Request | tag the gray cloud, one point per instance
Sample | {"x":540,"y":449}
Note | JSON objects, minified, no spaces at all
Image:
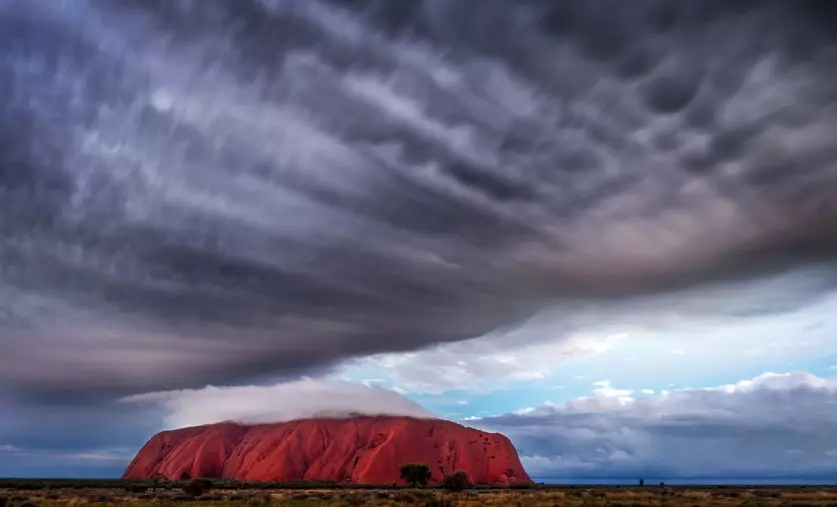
{"x":70,"y":439}
{"x":776,"y":425}
{"x":241,"y":189}
{"x":76,"y":429}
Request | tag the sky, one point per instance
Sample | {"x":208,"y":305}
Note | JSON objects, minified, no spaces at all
{"x":605,"y":229}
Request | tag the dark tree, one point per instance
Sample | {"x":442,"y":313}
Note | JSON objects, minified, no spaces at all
{"x":642,"y":482}
{"x":415,"y":474}
{"x":197,"y":487}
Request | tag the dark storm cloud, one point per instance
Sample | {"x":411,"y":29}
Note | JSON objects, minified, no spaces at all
{"x":195,"y":192}
{"x":771,"y":426}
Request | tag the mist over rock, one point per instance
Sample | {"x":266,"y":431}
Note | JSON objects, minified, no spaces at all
{"x":362,"y":450}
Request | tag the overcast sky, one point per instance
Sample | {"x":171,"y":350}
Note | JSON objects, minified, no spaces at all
{"x":606,"y":229}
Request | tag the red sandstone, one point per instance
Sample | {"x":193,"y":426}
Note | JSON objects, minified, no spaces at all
{"x":363,"y":450}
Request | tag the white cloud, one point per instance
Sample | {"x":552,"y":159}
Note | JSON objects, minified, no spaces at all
{"x":281,"y":402}
{"x":748,"y":429}
{"x":605,"y":388}
{"x":483,"y":364}
{"x":678,"y":338}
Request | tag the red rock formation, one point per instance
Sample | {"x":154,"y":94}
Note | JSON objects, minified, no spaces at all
{"x":364,"y":450}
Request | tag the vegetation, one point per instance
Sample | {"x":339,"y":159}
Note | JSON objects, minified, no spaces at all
{"x":197,"y":487}
{"x":457,"y":481}
{"x":415,"y":474}
{"x":53,"y":493}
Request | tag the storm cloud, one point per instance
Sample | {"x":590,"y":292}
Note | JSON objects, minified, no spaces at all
{"x":229,"y":190}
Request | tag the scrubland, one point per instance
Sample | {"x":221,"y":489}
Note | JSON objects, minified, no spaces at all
{"x":224,"y":493}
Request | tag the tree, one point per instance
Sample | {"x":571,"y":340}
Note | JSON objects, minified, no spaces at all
{"x":642,"y":482}
{"x":457,"y":481}
{"x":415,"y":474}
{"x":197,"y":487}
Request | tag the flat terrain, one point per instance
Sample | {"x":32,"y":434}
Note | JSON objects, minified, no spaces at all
{"x":48,"y":494}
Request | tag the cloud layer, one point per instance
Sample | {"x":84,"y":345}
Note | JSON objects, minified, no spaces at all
{"x":776,"y":425}
{"x":203,"y":195}
{"x":282,"y":402}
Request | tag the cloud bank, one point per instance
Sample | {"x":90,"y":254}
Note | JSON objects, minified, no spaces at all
{"x":775,"y":425}
{"x":289,"y":401}
{"x":214,"y":192}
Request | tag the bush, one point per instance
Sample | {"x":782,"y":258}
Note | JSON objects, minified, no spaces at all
{"x":415,"y":474}
{"x":4,"y":501}
{"x":435,"y":501}
{"x":457,"y":481}
{"x":256,"y":501}
{"x":357,"y":499}
{"x":30,"y":487}
{"x":197,"y":487}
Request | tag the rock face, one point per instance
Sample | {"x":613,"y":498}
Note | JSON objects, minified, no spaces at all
{"x":363,"y":450}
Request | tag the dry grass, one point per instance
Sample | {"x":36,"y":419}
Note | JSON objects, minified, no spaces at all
{"x":541,"y":497}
